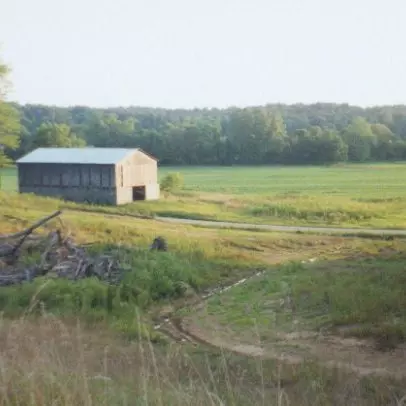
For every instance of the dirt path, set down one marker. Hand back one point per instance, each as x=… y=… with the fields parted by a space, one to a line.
x=292 y=229
x=351 y=355
x=343 y=231
x=348 y=354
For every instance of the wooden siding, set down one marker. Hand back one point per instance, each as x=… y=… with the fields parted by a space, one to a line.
x=137 y=170
x=66 y=175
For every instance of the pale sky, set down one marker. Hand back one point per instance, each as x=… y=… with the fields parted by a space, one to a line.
x=204 y=53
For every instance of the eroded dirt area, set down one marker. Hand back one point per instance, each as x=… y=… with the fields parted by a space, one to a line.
x=354 y=355
x=331 y=350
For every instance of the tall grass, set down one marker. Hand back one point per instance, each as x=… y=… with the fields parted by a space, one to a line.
x=58 y=362
x=63 y=364
x=149 y=278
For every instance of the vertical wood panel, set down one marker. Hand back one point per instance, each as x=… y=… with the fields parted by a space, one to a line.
x=74 y=176
x=95 y=175
x=85 y=172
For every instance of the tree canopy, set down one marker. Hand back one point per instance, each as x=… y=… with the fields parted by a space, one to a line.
x=55 y=135
x=9 y=119
x=320 y=133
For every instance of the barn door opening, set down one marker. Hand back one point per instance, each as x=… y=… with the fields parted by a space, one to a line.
x=138 y=193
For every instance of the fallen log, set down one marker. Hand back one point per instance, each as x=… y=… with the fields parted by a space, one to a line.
x=30 y=229
x=11 y=254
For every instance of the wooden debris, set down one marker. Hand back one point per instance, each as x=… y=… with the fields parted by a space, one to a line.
x=59 y=257
x=29 y=230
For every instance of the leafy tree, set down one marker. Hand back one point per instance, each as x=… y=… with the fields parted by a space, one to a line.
x=254 y=136
x=360 y=139
x=278 y=141
x=318 y=146
x=382 y=132
x=9 y=119
x=109 y=130
x=56 y=135
x=383 y=147
x=332 y=148
x=397 y=150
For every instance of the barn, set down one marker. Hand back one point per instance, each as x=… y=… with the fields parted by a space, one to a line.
x=95 y=175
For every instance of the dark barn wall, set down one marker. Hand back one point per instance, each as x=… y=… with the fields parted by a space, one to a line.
x=80 y=183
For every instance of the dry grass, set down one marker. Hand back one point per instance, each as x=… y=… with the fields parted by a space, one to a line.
x=51 y=362
x=61 y=364
x=19 y=211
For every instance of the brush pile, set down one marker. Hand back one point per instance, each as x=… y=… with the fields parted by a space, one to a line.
x=24 y=256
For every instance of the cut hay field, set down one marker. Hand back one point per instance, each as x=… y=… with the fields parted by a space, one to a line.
x=367 y=195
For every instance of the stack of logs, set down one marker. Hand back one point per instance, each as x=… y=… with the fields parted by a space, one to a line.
x=24 y=256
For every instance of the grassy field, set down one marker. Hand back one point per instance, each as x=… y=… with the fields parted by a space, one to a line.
x=379 y=181
x=369 y=195
x=361 y=295
x=82 y=349
x=199 y=258
x=79 y=343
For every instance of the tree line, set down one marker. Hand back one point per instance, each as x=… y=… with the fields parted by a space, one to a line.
x=273 y=134
x=320 y=133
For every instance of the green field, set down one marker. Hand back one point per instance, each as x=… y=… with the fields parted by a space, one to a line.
x=364 y=181
x=369 y=181
x=368 y=195
x=58 y=335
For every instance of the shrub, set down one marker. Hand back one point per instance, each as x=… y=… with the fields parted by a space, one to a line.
x=172 y=182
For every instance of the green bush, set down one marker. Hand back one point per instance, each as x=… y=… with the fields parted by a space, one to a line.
x=172 y=182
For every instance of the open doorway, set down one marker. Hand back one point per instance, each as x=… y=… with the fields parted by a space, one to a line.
x=138 y=193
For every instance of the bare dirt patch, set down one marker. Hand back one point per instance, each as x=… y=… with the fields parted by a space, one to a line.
x=354 y=355
x=227 y=322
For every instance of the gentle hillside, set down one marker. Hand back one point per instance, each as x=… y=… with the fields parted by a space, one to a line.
x=71 y=341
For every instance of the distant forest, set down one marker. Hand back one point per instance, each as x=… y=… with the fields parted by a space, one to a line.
x=273 y=134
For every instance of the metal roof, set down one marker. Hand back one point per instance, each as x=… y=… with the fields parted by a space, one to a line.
x=100 y=156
